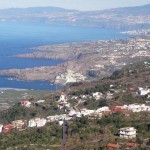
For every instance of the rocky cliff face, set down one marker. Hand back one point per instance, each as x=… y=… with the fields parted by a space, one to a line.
x=37 y=73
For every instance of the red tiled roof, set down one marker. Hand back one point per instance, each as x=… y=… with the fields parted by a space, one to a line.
x=113 y=145
x=132 y=144
x=24 y=102
x=7 y=128
x=117 y=109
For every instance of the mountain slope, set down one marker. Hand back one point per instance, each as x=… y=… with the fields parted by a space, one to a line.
x=32 y=10
x=128 y=17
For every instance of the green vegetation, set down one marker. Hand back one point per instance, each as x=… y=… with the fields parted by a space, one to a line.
x=47 y=135
x=20 y=112
x=84 y=133
x=92 y=104
x=101 y=87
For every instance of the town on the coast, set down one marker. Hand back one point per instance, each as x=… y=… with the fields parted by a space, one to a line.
x=83 y=61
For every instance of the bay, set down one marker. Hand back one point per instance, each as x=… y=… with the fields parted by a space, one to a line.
x=18 y=38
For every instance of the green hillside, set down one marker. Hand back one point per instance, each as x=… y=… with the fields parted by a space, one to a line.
x=85 y=133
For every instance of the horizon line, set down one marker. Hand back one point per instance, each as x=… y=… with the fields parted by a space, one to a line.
x=73 y=9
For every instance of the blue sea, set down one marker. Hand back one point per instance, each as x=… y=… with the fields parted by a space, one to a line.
x=18 y=38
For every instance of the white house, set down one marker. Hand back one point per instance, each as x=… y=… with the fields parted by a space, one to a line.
x=148 y=96
x=58 y=118
x=37 y=122
x=1 y=126
x=138 y=107
x=135 y=107
x=86 y=112
x=25 y=103
x=109 y=95
x=78 y=114
x=50 y=118
x=103 y=109
x=18 y=124
x=98 y=95
x=95 y=115
x=40 y=122
x=41 y=101
x=74 y=97
x=127 y=132
x=67 y=105
x=72 y=113
x=31 y=123
x=122 y=107
x=143 y=91
x=60 y=122
x=63 y=97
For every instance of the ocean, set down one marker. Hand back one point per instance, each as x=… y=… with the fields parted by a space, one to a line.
x=19 y=38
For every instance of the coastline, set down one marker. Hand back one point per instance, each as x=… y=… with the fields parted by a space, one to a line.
x=83 y=61
x=25 y=46
x=15 y=89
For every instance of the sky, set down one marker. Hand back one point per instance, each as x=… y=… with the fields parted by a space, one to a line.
x=83 y=5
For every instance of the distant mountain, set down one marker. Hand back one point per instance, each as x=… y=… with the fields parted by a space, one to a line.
x=32 y=10
x=138 y=10
x=123 y=18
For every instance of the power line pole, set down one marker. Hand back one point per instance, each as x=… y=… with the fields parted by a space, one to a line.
x=64 y=134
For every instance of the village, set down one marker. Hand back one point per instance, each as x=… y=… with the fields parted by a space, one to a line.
x=73 y=111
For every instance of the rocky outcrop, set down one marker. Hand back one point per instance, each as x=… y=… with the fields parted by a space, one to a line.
x=37 y=73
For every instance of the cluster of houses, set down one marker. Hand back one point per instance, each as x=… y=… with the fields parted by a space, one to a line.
x=73 y=112
x=135 y=107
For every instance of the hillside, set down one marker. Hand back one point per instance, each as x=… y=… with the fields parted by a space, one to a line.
x=86 y=132
x=8 y=97
x=122 y=18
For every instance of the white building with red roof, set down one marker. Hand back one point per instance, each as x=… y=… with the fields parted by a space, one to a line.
x=25 y=103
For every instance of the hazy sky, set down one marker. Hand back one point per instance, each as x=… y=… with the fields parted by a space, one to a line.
x=73 y=4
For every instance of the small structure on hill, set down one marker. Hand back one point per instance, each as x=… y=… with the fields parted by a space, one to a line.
x=112 y=146
x=63 y=97
x=143 y=91
x=40 y=101
x=19 y=124
x=1 y=127
x=127 y=132
x=37 y=122
x=98 y=95
x=7 y=128
x=25 y=103
x=132 y=145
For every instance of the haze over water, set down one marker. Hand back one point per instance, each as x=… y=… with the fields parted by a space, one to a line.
x=17 y=38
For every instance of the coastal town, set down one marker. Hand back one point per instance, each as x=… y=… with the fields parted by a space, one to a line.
x=137 y=32
x=83 y=61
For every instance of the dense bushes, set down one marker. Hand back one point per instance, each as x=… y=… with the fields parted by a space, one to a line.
x=46 y=135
